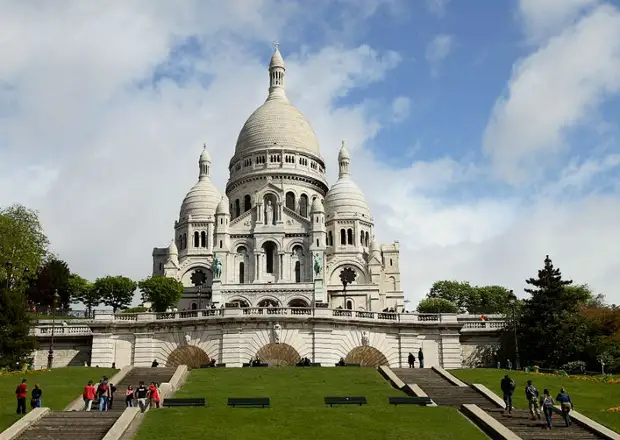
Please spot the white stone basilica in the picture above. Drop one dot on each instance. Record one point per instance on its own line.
(280, 237)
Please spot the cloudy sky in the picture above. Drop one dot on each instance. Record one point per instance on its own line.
(483, 133)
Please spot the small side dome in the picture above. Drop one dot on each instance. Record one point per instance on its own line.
(172, 249)
(317, 207)
(205, 156)
(346, 199)
(343, 154)
(200, 201)
(222, 207)
(276, 58)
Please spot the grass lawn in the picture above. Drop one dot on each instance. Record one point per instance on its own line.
(297, 408)
(590, 398)
(60, 387)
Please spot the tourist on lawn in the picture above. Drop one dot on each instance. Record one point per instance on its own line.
(89, 394)
(112, 389)
(129, 396)
(142, 393)
(103, 392)
(35, 397)
(411, 360)
(546, 404)
(566, 404)
(531, 394)
(508, 387)
(154, 395)
(21, 392)
(421, 357)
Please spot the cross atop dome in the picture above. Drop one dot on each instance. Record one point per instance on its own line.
(276, 44)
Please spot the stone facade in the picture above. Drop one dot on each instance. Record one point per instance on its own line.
(280, 236)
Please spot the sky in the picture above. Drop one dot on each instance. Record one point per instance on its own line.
(484, 134)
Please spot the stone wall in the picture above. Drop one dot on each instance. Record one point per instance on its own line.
(72, 352)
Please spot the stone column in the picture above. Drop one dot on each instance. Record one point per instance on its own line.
(450, 349)
(323, 346)
(143, 350)
(231, 346)
(102, 351)
(281, 267)
(279, 220)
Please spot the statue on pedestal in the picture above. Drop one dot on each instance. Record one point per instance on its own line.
(217, 267)
(277, 329)
(268, 213)
(317, 265)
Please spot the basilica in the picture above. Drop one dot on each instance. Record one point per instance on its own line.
(280, 236)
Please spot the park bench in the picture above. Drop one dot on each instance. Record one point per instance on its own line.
(348, 365)
(247, 365)
(212, 366)
(345, 400)
(410, 400)
(253, 402)
(312, 364)
(187, 401)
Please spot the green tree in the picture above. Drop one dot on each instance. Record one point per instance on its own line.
(552, 330)
(52, 277)
(83, 291)
(437, 305)
(16, 343)
(162, 291)
(474, 299)
(492, 299)
(115, 291)
(23, 244)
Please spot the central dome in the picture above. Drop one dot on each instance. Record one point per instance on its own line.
(277, 123)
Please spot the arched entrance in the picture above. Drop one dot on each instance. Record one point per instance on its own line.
(278, 355)
(189, 355)
(366, 357)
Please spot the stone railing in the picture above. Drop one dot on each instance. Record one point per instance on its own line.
(61, 331)
(474, 323)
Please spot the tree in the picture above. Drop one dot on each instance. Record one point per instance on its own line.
(474, 299)
(437, 305)
(162, 291)
(115, 291)
(551, 329)
(16, 343)
(52, 277)
(23, 245)
(84, 291)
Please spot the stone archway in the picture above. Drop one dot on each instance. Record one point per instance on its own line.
(366, 357)
(189, 355)
(278, 355)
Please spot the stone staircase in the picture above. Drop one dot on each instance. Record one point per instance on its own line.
(93, 425)
(444, 393)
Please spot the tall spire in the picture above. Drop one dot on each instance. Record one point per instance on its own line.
(343, 161)
(276, 74)
(204, 163)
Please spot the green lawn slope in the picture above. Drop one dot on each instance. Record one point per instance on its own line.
(60, 387)
(298, 411)
(591, 398)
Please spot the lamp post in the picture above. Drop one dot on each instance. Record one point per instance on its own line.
(200, 296)
(513, 306)
(50, 355)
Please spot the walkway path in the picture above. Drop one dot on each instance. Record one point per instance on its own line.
(445, 393)
(94, 425)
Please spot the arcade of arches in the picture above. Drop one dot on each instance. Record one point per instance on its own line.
(366, 357)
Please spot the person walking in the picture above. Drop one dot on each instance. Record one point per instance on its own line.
(546, 404)
(142, 393)
(531, 394)
(566, 404)
(411, 360)
(21, 392)
(129, 396)
(89, 394)
(102, 394)
(421, 357)
(35, 397)
(508, 388)
(112, 390)
(154, 395)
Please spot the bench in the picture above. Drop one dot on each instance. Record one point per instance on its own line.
(247, 365)
(312, 364)
(212, 366)
(409, 400)
(188, 401)
(253, 402)
(348, 365)
(345, 400)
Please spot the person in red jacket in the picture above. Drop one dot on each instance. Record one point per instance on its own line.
(21, 392)
(154, 395)
(89, 395)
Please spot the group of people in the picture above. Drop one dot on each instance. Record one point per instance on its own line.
(537, 403)
(21, 393)
(103, 395)
(411, 359)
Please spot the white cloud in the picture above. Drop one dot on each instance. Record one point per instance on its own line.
(438, 49)
(546, 18)
(553, 90)
(437, 8)
(107, 158)
(400, 108)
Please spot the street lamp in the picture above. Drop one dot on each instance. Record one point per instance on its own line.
(50, 356)
(513, 306)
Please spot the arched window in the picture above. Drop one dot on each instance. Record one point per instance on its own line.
(330, 239)
(290, 200)
(196, 239)
(247, 203)
(184, 241)
(237, 208)
(362, 238)
(367, 241)
(194, 306)
(241, 272)
(270, 250)
(343, 237)
(203, 239)
(349, 305)
(350, 236)
(297, 272)
(303, 205)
